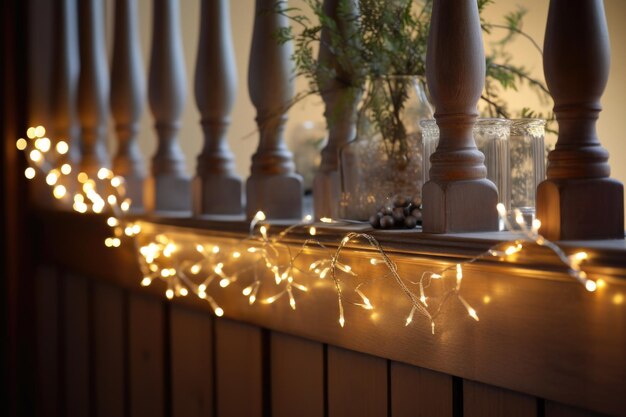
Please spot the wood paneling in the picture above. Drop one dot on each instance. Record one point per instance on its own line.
(147, 383)
(239, 369)
(76, 313)
(297, 376)
(109, 348)
(191, 363)
(518, 320)
(47, 341)
(357, 384)
(480, 400)
(419, 392)
(553, 409)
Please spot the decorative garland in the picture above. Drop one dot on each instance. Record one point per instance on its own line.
(271, 258)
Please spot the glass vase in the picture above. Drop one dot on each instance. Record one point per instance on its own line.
(528, 166)
(386, 157)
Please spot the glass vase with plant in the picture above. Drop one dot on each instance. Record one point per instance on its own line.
(379, 48)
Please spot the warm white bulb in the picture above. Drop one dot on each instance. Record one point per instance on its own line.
(224, 282)
(501, 209)
(169, 294)
(43, 144)
(116, 181)
(62, 147)
(30, 133)
(21, 144)
(146, 281)
(35, 155)
(590, 286)
(59, 192)
(219, 312)
(40, 131)
(260, 216)
(30, 173)
(312, 231)
(112, 222)
(236, 255)
(66, 169)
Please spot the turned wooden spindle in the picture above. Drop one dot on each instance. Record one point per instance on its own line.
(65, 73)
(93, 86)
(169, 187)
(127, 99)
(340, 99)
(578, 200)
(273, 185)
(217, 189)
(458, 197)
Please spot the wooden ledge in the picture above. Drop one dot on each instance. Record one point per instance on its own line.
(555, 340)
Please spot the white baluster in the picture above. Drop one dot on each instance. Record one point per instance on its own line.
(217, 189)
(578, 200)
(93, 86)
(273, 185)
(169, 187)
(127, 99)
(341, 100)
(458, 197)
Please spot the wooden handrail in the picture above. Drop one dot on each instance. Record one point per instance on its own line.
(573, 354)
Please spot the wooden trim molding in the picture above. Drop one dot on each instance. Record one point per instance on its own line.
(554, 339)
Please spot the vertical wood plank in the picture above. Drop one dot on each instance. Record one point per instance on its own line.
(108, 328)
(192, 368)
(297, 374)
(77, 362)
(480, 400)
(419, 392)
(239, 369)
(147, 392)
(357, 384)
(559, 410)
(47, 342)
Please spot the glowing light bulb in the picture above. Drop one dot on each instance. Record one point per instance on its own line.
(146, 281)
(312, 231)
(536, 225)
(501, 209)
(116, 181)
(62, 147)
(202, 287)
(169, 294)
(184, 292)
(125, 206)
(112, 200)
(195, 269)
(590, 285)
(342, 321)
(31, 133)
(224, 282)
(236, 255)
(136, 229)
(219, 312)
(82, 177)
(345, 240)
(216, 249)
(51, 178)
(259, 216)
(326, 220)
(59, 192)
(246, 291)
(308, 218)
(200, 248)
(21, 144)
(473, 314)
(30, 173)
(35, 155)
(112, 222)
(579, 256)
(252, 250)
(66, 169)
(40, 131)
(43, 144)
(165, 273)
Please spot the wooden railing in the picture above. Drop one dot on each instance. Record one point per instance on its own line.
(105, 347)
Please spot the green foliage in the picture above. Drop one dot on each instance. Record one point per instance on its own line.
(389, 37)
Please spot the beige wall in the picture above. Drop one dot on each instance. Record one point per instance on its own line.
(612, 124)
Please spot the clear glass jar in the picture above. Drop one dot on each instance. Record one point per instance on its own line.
(492, 139)
(528, 164)
(386, 157)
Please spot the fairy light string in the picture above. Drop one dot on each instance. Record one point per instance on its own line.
(189, 268)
